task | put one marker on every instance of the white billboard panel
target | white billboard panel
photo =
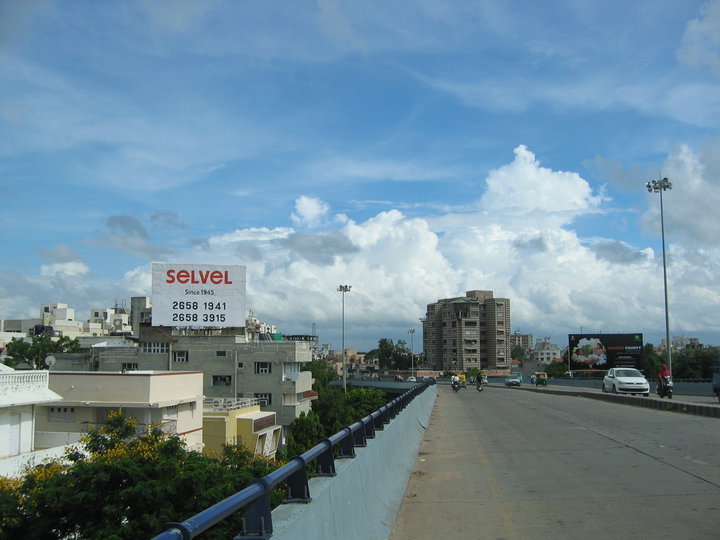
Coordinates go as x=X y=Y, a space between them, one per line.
x=198 y=295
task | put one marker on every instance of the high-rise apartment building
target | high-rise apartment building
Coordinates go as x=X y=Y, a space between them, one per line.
x=471 y=331
x=521 y=340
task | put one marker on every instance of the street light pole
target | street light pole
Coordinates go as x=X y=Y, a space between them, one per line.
x=411 y=331
x=343 y=289
x=658 y=186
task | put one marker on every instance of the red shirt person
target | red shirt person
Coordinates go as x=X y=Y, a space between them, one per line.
x=663 y=371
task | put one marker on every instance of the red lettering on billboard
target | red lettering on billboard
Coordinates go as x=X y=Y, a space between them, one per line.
x=216 y=277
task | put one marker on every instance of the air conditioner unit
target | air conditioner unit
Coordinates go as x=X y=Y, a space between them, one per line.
x=218 y=402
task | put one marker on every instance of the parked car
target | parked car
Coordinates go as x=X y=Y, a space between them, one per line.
x=512 y=380
x=625 y=381
x=411 y=379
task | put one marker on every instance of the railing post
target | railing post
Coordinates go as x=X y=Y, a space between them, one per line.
x=257 y=521
x=325 y=463
x=347 y=448
x=359 y=439
x=298 y=490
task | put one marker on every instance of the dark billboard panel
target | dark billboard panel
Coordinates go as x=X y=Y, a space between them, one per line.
x=605 y=351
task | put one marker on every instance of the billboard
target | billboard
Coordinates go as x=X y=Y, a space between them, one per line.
x=198 y=295
x=605 y=351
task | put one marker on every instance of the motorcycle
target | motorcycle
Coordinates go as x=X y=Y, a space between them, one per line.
x=455 y=386
x=479 y=387
x=665 y=387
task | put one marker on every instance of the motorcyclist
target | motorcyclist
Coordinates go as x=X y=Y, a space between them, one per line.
x=664 y=372
x=455 y=381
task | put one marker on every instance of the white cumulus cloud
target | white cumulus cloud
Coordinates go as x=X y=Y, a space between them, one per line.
x=309 y=211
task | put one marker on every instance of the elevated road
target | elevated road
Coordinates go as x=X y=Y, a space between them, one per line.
x=531 y=464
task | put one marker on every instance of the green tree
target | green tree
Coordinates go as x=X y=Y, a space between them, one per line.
x=517 y=353
x=364 y=401
x=125 y=485
x=651 y=361
x=305 y=432
x=401 y=357
x=556 y=369
x=321 y=372
x=695 y=363
x=332 y=408
x=372 y=354
x=386 y=347
x=35 y=352
x=393 y=355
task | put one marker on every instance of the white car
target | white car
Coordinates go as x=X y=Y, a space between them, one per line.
x=625 y=381
x=411 y=379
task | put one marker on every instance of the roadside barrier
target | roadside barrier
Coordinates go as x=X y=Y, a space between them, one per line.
x=254 y=500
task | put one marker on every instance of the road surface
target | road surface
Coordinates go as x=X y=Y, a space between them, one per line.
x=511 y=464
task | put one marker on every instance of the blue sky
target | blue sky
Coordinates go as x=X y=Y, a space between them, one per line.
x=414 y=150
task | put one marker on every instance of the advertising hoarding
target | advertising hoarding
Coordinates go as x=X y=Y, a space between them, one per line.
x=201 y=295
x=605 y=351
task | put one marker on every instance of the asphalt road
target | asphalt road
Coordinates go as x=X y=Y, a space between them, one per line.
x=513 y=464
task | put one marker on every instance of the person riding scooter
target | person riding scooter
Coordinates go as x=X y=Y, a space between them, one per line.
x=665 y=384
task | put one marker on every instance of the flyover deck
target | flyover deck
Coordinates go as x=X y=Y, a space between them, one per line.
x=526 y=463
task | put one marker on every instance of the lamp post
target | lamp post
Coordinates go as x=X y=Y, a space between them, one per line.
x=411 y=331
x=343 y=289
x=658 y=186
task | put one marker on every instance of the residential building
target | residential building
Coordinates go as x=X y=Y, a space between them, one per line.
x=546 y=352
x=681 y=342
x=240 y=422
x=270 y=371
x=466 y=332
x=254 y=361
x=521 y=340
x=140 y=313
x=173 y=400
x=20 y=394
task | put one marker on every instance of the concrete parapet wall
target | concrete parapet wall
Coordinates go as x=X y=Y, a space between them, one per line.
x=362 y=500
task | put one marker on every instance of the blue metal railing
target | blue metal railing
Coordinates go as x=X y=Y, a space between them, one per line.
x=254 y=500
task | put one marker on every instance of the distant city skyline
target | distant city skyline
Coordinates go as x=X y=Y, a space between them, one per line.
x=414 y=151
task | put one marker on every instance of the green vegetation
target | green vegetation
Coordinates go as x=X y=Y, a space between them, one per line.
x=391 y=355
x=34 y=353
x=125 y=486
x=332 y=411
x=686 y=364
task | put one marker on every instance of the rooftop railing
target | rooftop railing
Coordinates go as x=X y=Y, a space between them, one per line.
x=23 y=381
x=254 y=500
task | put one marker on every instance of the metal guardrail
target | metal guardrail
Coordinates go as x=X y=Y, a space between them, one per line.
x=254 y=500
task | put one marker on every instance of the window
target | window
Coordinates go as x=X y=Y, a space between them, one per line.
x=61 y=414
x=263 y=367
x=155 y=347
x=265 y=398
x=180 y=356
x=171 y=411
x=129 y=366
x=221 y=380
x=241 y=365
x=220 y=353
